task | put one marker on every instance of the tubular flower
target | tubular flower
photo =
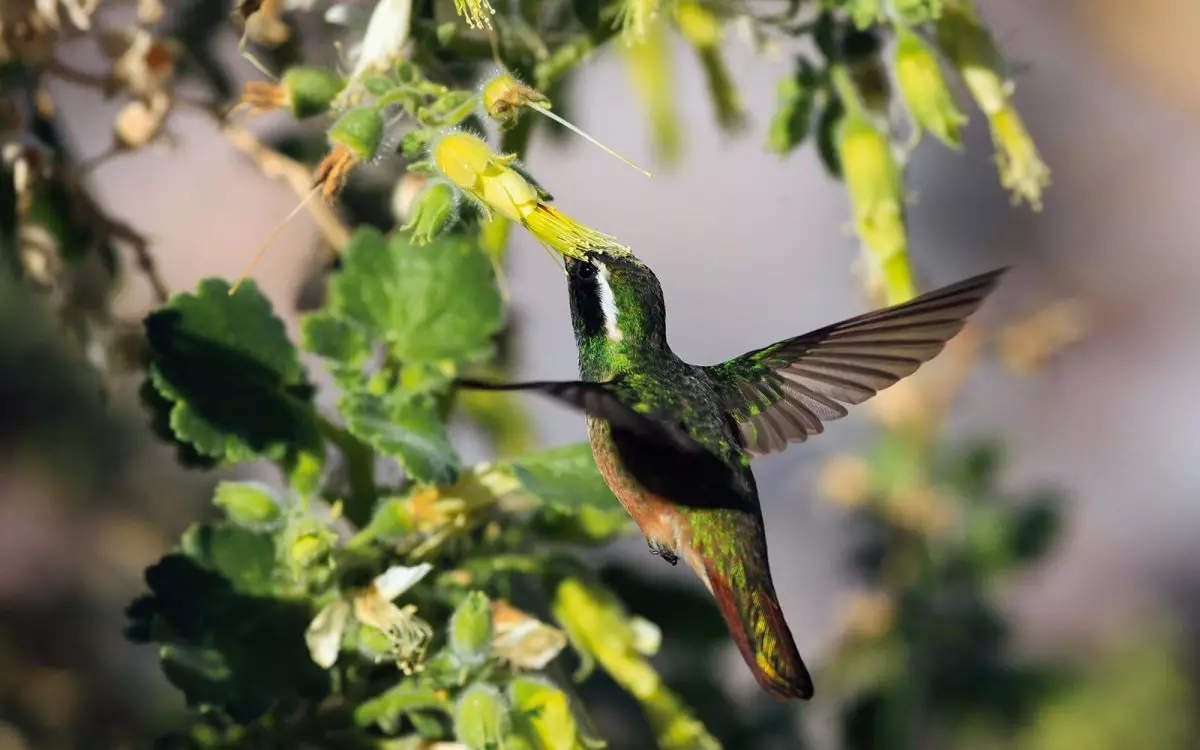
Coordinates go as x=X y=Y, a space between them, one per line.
x=489 y=178
x=967 y=43
x=876 y=192
x=925 y=92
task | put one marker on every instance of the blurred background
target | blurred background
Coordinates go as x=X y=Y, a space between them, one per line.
x=750 y=249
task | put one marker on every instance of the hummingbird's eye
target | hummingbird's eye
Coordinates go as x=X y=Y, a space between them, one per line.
x=585 y=271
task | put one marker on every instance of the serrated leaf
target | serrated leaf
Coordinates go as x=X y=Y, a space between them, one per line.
x=332 y=338
x=429 y=303
x=231 y=642
x=405 y=427
x=235 y=381
x=565 y=476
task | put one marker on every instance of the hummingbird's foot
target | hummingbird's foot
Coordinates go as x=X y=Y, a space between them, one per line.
x=663 y=551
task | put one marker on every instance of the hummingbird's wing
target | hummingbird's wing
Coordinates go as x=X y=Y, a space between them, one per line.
x=783 y=393
x=607 y=401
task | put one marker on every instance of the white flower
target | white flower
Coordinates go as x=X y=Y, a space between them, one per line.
x=373 y=607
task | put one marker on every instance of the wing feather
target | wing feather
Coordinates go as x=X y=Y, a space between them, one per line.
x=785 y=392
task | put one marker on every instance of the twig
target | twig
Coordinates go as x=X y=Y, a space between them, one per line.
x=275 y=165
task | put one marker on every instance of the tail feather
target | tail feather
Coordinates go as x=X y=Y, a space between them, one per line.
x=751 y=610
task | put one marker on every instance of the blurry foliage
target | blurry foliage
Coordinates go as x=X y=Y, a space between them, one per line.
x=385 y=594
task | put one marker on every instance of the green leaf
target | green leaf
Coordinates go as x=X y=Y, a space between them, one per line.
x=793 y=117
x=584 y=525
x=338 y=340
x=481 y=718
x=429 y=303
x=406 y=427
x=471 y=630
x=230 y=641
x=565 y=476
x=386 y=710
x=235 y=381
x=251 y=505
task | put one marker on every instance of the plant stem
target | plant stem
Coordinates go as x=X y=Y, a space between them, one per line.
x=360 y=470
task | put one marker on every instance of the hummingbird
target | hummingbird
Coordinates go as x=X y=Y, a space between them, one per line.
x=674 y=441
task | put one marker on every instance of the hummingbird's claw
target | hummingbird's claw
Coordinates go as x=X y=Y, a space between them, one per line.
x=663 y=551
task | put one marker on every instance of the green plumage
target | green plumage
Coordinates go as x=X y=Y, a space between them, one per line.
x=674 y=440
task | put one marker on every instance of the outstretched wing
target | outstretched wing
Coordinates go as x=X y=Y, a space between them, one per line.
x=783 y=393
x=605 y=401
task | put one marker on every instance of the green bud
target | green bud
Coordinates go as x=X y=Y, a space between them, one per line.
x=432 y=212
x=378 y=85
x=445 y=32
x=251 y=505
x=924 y=89
x=471 y=629
x=481 y=718
x=308 y=542
x=360 y=130
x=793 y=117
x=311 y=90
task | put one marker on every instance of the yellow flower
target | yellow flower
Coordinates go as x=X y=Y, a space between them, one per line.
x=876 y=192
x=967 y=43
x=925 y=92
x=488 y=177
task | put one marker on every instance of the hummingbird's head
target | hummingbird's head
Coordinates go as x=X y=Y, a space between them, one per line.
x=616 y=298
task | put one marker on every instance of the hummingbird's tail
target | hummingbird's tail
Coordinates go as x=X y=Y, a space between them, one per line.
x=751 y=610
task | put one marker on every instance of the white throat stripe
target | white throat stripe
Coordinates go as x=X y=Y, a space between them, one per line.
x=608 y=305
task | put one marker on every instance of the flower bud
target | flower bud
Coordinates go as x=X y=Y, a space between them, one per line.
x=924 y=89
x=432 y=212
x=359 y=130
x=504 y=97
x=481 y=718
x=471 y=630
x=310 y=90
